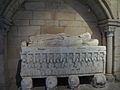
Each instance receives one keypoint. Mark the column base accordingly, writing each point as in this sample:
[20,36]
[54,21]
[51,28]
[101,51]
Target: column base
[110,78]
[117,77]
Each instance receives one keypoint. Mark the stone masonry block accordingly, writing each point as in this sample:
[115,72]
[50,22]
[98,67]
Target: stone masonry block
[42,15]
[28,30]
[44,22]
[52,23]
[117,32]
[117,51]
[117,37]
[37,22]
[117,41]
[52,30]
[117,64]
[64,16]
[71,23]
[38,5]
[75,30]
[23,15]
[21,22]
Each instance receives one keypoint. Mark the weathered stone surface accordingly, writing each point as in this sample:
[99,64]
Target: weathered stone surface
[75,31]
[117,51]
[73,81]
[64,16]
[99,81]
[35,5]
[93,42]
[58,61]
[24,44]
[85,37]
[62,40]
[71,23]
[37,22]
[110,77]
[13,32]
[23,15]
[51,30]
[117,76]
[44,22]
[28,30]
[117,64]
[42,15]
[52,23]
[51,82]
[26,83]
[21,22]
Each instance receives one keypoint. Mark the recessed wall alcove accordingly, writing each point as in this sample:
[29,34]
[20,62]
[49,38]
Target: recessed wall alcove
[36,17]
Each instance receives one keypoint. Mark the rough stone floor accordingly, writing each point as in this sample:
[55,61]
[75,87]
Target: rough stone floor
[109,86]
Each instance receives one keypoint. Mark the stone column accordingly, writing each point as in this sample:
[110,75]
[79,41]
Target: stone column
[4,26]
[109,62]
[2,62]
[109,51]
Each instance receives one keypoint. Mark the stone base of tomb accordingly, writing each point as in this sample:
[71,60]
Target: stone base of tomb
[99,81]
[73,82]
[51,83]
[26,83]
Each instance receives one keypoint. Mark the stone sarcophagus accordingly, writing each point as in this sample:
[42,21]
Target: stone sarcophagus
[70,61]
[39,62]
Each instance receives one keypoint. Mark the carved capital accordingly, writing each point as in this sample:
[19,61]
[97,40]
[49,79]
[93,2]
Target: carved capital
[109,30]
[110,33]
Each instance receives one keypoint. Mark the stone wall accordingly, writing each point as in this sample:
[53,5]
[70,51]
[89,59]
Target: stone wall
[46,16]
[117,53]
[115,4]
